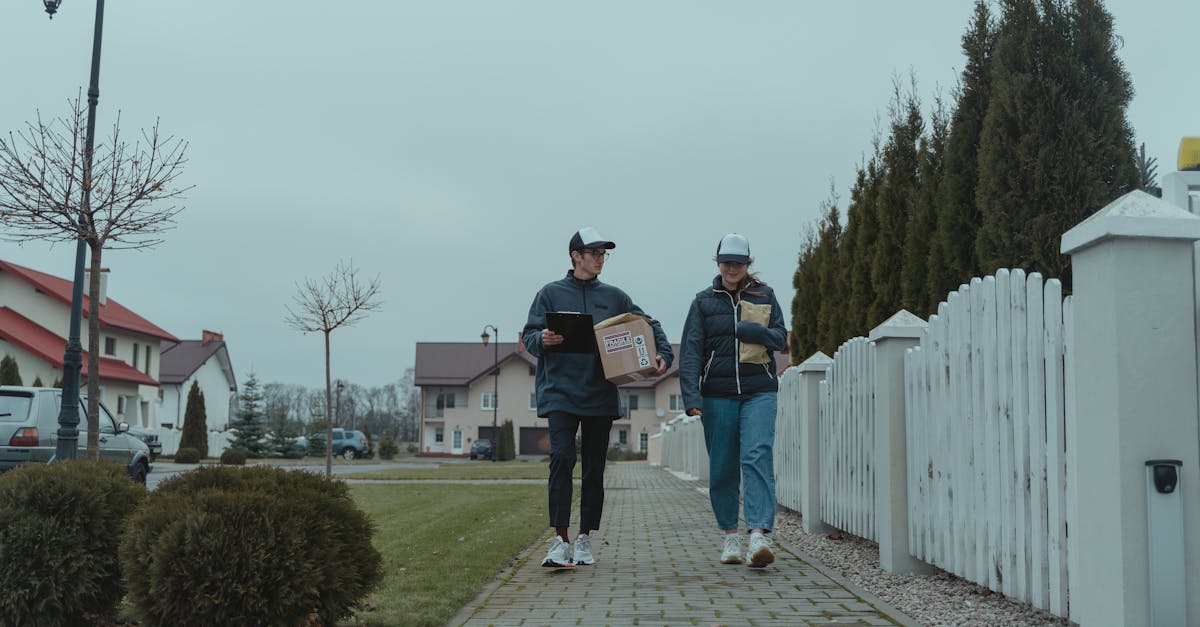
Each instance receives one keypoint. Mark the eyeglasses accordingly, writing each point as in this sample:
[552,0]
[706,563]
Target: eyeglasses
[596,254]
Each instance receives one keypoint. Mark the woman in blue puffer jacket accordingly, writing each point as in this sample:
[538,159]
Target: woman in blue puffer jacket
[727,377]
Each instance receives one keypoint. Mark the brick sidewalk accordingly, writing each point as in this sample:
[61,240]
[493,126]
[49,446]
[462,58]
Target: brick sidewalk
[657,565]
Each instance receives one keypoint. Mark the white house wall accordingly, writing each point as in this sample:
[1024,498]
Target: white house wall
[218,398]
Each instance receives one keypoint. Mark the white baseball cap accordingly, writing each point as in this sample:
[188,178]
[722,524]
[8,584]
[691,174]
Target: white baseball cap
[734,247]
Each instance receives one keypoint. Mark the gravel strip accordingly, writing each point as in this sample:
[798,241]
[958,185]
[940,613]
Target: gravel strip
[935,600]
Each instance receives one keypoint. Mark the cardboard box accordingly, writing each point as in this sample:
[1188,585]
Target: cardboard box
[627,350]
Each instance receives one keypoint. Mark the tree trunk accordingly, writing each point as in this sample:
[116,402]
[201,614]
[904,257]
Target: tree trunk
[93,355]
[328,414]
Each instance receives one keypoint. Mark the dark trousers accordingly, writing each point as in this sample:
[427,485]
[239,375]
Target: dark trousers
[594,442]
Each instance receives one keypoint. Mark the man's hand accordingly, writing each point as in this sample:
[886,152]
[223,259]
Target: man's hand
[693,411]
[662,364]
[550,338]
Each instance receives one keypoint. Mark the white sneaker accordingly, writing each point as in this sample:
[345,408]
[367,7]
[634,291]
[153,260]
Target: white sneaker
[583,551]
[557,556]
[732,553]
[759,554]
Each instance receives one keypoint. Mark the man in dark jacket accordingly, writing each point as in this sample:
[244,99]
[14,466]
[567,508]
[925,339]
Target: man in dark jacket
[573,394]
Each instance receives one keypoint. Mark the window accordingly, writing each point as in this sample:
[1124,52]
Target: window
[120,405]
[445,400]
[147,359]
[110,346]
[135,357]
[532,370]
[643,441]
[439,435]
[676,402]
[633,402]
[533,400]
[623,437]
[489,401]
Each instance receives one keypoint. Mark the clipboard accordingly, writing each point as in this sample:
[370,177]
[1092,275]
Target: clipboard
[576,329]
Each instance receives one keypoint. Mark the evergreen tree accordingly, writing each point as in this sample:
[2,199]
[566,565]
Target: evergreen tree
[507,447]
[37,382]
[249,426]
[831,289]
[807,298]
[895,203]
[919,242]
[10,374]
[952,259]
[862,284]
[1056,145]
[57,383]
[195,422]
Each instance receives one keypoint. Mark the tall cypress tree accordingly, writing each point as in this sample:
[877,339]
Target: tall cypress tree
[894,203]
[807,298]
[831,289]
[952,257]
[920,244]
[862,287]
[195,422]
[1056,145]
[10,374]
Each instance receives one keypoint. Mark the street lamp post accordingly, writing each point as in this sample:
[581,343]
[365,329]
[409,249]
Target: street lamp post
[68,417]
[338,411]
[495,386]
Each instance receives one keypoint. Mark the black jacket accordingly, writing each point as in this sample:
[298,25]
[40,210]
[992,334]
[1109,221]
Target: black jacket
[574,382]
[712,337]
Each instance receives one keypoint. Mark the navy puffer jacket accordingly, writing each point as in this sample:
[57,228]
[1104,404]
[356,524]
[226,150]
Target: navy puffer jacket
[712,338]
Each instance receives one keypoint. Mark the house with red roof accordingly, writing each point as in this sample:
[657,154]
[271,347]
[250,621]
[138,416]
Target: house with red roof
[457,399]
[34,323]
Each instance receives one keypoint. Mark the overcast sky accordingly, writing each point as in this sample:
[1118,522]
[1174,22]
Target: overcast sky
[451,148]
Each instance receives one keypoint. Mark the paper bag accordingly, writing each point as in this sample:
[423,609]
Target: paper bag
[754,353]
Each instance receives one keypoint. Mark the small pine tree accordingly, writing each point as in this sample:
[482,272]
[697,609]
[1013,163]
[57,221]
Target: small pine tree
[37,382]
[250,425]
[508,447]
[195,422]
[10,374]
[57,383]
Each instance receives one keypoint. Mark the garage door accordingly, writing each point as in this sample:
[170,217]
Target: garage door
[535,441]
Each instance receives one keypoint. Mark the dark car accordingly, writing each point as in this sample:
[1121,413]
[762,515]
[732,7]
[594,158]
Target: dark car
[482,449]
[151,440]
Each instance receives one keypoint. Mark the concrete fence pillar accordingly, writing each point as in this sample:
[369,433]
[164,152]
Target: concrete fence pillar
[812,372]
[897,334]
[1135,398]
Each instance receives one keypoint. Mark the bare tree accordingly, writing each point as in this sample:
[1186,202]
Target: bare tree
[43,172]
[335,300]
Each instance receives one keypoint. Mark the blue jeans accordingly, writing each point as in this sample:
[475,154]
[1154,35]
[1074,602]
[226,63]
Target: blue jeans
[740,437]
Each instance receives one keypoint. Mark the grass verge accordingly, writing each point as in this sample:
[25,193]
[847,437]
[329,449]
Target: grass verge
[475,471]
[441,544]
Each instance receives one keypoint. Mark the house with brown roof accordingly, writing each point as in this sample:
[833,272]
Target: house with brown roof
[457,399]
[35,312]
[206,363]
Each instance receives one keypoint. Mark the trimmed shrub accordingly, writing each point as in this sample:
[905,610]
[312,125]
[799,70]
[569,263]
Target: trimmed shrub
[615,454]
[233,457]
[58,562]
[507,448]
[258,545]
[187,455]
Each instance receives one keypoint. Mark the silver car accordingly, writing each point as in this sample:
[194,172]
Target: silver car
[29,431]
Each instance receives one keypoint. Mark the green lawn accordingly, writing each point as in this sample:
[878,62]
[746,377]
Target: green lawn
[479,470]
[441,544]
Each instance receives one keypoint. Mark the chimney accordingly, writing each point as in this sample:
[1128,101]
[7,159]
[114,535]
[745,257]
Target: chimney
[520,344]
[207,336]
[87,283]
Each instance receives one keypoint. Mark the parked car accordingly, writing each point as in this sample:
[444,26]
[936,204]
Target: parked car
[29,431]
[151,440]
[349,443]
[482,449]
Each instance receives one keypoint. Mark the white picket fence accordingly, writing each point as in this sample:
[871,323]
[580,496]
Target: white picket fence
[848,440]
[986,438]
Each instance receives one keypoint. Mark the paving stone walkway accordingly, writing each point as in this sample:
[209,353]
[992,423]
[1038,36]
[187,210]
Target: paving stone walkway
[657,565]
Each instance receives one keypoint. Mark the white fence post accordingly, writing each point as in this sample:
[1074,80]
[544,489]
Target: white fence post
[896,335]
[812,372]
[1135,398]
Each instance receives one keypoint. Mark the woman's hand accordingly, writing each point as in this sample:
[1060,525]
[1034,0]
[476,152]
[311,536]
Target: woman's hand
[693,411]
